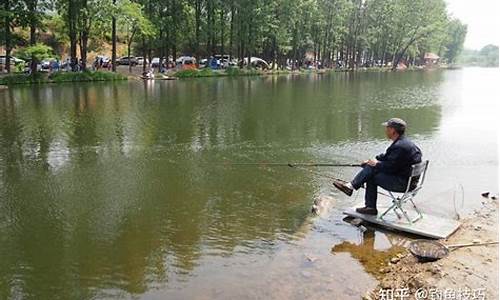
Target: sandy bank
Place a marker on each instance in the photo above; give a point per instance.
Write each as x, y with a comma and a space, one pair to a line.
466, 273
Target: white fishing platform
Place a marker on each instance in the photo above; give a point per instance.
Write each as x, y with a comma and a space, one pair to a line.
429, 226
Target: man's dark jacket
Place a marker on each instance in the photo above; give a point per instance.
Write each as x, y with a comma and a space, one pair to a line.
399, 157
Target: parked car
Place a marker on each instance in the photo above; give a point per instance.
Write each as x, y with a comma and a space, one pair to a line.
27, 66
103, 60
141, 60
106, 62
125, 60
13, 60
185, 62
203, 63
256, 62
155, 62
46, 64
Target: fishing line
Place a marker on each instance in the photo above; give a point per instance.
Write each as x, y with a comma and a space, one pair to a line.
315, 172
290, 164
335, 178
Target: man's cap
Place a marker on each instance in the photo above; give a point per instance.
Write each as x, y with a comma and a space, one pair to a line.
395, 123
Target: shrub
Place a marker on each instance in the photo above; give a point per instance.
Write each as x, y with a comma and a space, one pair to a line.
38, 52
235, 71
206, 72
189, 73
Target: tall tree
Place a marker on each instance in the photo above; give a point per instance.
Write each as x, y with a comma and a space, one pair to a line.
454, 40
416, 20
7, 17
32, 16
134, 23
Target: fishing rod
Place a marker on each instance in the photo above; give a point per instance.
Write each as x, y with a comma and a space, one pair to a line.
303, 166
292, 165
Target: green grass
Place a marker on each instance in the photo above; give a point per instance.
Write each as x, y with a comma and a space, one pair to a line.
234, 71
23, 79
85, 76
194, 73
60, 77
207, 72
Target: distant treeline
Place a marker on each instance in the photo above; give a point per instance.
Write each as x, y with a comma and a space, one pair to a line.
284, 32
486, 57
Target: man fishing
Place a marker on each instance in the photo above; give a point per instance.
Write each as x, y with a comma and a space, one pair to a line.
389, 170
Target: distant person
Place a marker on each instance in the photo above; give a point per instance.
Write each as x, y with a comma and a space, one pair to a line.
68, 64
390, 170
54, 65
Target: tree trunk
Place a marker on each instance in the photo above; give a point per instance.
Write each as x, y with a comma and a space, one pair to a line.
113, 41
72, 32
231, 31
399, 56
222, 31
209, 27
33, 42
162, 52
249, 47
84, 38
7, 36
197, 26
275, 47
144, 54
128, 55
213, 38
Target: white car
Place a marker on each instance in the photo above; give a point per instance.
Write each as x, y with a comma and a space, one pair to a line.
141, 60
13, 60
46, 64
155, 62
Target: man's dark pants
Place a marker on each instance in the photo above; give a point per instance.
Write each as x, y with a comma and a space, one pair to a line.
373, 179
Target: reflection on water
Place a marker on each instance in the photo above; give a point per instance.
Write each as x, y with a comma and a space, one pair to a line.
116, 189
373, 257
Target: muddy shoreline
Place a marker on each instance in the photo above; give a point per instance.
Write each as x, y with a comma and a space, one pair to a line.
466, 273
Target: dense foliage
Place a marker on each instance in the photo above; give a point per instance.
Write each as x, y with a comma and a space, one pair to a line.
352, 32
486, 57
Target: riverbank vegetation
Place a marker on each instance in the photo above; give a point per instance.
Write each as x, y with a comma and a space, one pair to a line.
486, 57
39, 77
288, 34
231, 71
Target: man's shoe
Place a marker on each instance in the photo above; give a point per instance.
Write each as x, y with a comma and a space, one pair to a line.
342, 186
367, 211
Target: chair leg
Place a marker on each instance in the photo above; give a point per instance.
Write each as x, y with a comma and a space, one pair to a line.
405, 214
416, 208
397, 204
394, 204
419, 213
387, 210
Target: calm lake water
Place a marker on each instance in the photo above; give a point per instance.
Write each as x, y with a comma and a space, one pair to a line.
123, 190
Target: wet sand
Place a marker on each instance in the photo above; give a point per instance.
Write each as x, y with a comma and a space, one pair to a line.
465, 272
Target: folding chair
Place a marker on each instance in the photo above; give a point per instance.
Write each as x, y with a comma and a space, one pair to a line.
415, 183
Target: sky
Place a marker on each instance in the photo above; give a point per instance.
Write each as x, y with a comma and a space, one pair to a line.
482, 18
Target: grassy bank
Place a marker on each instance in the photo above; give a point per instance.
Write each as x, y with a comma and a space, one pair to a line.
86, 76
60, 77
254, 72
227, 72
